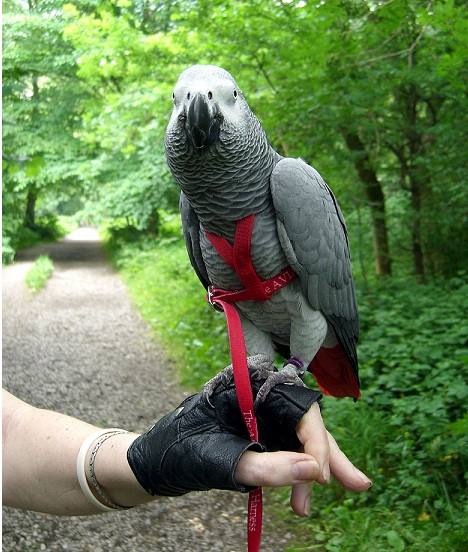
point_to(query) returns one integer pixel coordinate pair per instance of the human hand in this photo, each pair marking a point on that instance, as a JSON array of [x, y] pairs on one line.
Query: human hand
[[321, 457], [203, 445], [198, 446]]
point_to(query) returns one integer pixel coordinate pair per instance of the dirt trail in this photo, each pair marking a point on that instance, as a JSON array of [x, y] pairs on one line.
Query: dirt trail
[[80, 347]]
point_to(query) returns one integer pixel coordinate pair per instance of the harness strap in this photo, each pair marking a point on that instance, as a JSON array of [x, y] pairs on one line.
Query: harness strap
[[239, 258]]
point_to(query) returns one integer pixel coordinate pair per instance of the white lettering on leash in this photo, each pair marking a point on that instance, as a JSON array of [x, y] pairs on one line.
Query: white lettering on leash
[[253, 512], [248, 416]]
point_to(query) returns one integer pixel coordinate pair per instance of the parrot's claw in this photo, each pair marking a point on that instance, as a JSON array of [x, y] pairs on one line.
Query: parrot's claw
[[221, 377], [262, 364], [291, 374]]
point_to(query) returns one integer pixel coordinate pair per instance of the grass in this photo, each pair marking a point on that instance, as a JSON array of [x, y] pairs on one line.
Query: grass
[[408, 432], [39, 273]]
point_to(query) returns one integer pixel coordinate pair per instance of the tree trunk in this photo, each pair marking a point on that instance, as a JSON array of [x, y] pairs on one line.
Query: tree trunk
[[30, 215], [414, 148], [418, 257], [153, 224], [376, 200]]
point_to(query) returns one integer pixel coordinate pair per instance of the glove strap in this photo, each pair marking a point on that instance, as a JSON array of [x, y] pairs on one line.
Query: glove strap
[[246, 404]]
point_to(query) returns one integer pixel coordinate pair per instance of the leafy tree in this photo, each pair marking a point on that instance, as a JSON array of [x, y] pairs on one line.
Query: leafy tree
[[404, 41], [353, 83], [41, 109], [375, 87], [126, 70], [393, 105]]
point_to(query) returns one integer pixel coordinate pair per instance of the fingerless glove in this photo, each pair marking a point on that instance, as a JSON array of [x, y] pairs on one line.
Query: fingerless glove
[[198, 446]]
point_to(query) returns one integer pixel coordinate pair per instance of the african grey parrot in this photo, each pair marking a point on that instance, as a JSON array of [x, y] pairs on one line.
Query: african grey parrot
[[220, 157]]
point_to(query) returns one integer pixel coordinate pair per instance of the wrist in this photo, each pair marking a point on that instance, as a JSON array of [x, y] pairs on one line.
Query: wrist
[[114, 475]]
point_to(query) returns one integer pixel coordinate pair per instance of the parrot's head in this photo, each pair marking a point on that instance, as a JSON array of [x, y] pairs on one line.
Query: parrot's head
[[209, 111]]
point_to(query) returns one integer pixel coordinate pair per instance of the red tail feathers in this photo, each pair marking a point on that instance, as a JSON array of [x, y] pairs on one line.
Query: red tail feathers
[[334, 374]]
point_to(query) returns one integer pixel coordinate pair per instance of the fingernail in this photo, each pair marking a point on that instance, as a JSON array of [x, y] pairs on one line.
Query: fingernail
[[306, 508], [363, 477], [305, 470], [326, 473]]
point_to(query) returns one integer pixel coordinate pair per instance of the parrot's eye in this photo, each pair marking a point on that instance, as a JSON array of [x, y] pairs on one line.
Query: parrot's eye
[[210, 95], [188, 96], [235, 93], [173, 97]]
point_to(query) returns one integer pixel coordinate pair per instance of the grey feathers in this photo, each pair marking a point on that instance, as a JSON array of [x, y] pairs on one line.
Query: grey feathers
[[220, 157]]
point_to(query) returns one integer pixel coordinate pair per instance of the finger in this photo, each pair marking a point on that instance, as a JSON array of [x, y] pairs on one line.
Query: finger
[[300, 499], [275, 469], [344, 471], [312, 434]]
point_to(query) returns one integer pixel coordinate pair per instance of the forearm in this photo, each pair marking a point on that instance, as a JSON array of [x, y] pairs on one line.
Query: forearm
[[188, 449], [40, 450]]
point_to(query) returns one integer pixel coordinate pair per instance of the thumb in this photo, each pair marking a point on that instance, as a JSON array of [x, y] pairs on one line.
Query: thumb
[[275, 469]]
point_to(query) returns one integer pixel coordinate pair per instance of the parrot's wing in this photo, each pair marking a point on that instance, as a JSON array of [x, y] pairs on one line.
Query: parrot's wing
[[313, 235], [191, 231]]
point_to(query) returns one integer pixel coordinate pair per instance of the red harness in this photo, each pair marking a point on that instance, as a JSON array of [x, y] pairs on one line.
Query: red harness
[[239, 258]]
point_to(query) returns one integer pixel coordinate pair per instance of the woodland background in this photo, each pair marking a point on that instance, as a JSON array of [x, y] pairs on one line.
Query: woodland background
[[373, 94]]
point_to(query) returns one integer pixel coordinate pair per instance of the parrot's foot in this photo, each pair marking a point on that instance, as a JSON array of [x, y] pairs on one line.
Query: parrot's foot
[[292, 373], [261, 363]]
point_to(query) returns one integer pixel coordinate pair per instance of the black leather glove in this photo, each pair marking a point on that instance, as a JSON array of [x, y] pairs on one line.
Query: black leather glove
[[198, 446]]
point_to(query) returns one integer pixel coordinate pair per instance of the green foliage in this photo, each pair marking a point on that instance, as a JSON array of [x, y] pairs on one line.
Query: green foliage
[[47, 228], [8, 253], [87, 97], [170, 297], [42, 98], [408, 432], [39, 273], [137, 194], [126, 119], [415, 357]]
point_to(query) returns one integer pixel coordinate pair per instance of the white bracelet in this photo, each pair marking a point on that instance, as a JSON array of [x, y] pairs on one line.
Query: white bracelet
[[81, 467], [107, 500]]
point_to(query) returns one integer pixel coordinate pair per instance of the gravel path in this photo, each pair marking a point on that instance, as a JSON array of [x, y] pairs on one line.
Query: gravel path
[[79, 347]]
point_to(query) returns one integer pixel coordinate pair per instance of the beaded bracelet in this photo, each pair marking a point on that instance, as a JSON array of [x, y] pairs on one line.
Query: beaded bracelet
[[102, 435]]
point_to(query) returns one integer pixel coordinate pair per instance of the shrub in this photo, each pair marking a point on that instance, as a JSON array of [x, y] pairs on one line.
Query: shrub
[[39, 273], [16, 236], [8, 253], [408, 432]]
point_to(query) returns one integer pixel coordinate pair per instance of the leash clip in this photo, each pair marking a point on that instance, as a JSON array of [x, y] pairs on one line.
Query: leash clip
[[212, 301]]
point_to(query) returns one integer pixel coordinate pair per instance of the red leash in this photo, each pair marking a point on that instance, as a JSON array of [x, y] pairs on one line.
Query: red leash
[[245, 398], [239, 258]]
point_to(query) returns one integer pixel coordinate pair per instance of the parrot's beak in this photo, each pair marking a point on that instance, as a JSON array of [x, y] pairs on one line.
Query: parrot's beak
[[202, 122]]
